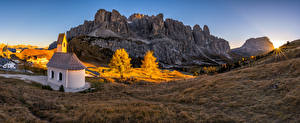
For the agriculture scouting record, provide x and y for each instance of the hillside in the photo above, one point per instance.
(265, 92)
(35, 53)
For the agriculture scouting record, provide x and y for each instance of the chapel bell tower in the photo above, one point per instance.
(62, 43)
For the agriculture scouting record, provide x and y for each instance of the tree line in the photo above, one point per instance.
(121, 62)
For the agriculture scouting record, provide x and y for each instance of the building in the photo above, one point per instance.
(7, 64)
(62, 43)
(65, 68)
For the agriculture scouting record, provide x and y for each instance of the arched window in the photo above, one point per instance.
(64, 44)
(60, 76)
(52, 74)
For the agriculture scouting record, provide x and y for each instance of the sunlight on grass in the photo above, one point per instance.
(120, 69)
(279, 54)
(139, 74)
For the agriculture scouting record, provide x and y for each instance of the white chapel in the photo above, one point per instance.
(65, 68)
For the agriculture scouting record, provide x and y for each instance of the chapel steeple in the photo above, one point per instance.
(62, 43)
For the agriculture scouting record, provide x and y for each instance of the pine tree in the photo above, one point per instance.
(120, 62)
(149, 63)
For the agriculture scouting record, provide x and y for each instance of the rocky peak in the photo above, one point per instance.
(135, 16)
(116, 16)
(147, 26)
(197, 28)
(198, 35)
(102, 15)
(106, 16)
(177, 30)
(160, 16)
(261, 43)
(171, 40)
(206, 30)
(113, 21)
(255, 46)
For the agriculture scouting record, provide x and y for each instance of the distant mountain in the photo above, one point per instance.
(52, 45)
(254, 46)
(173, 43)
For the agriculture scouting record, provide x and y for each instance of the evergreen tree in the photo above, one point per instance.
(120, 62)
(149, 63)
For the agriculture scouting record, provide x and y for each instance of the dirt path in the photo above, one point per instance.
(43, 80)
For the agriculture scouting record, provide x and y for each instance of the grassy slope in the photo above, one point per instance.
(267, 92)
(34, 52)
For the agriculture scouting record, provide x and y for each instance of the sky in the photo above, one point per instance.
(38, 22)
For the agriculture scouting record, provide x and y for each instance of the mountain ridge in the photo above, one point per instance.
(173, 43)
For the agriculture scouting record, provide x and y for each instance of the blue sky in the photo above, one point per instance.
(38, 22)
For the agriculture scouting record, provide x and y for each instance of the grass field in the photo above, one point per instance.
(265, 92)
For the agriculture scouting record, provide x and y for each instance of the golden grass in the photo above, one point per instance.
(34, 52)
(244, 95)
(88, 64)
(261, 93)
(139, 74)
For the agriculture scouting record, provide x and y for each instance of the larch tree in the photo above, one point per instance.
(149, 63)
(120, 62)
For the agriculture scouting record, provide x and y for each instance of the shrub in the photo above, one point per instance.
(47, 87)
(195, 74)
(61, 88)
(109, 80)
(209, 69)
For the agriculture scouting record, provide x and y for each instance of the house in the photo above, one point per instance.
(65, 68)
(7, 64)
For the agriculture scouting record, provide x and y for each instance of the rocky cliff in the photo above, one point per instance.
(255, 46)
(53, 45)
(173, 43)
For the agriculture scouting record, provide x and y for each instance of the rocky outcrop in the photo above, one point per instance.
(52, 46)
(254, 47)
(173, 43)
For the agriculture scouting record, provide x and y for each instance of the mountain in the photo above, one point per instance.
(52, 45)
(254, 47)
(173, 43)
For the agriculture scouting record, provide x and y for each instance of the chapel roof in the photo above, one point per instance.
(66, 61)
